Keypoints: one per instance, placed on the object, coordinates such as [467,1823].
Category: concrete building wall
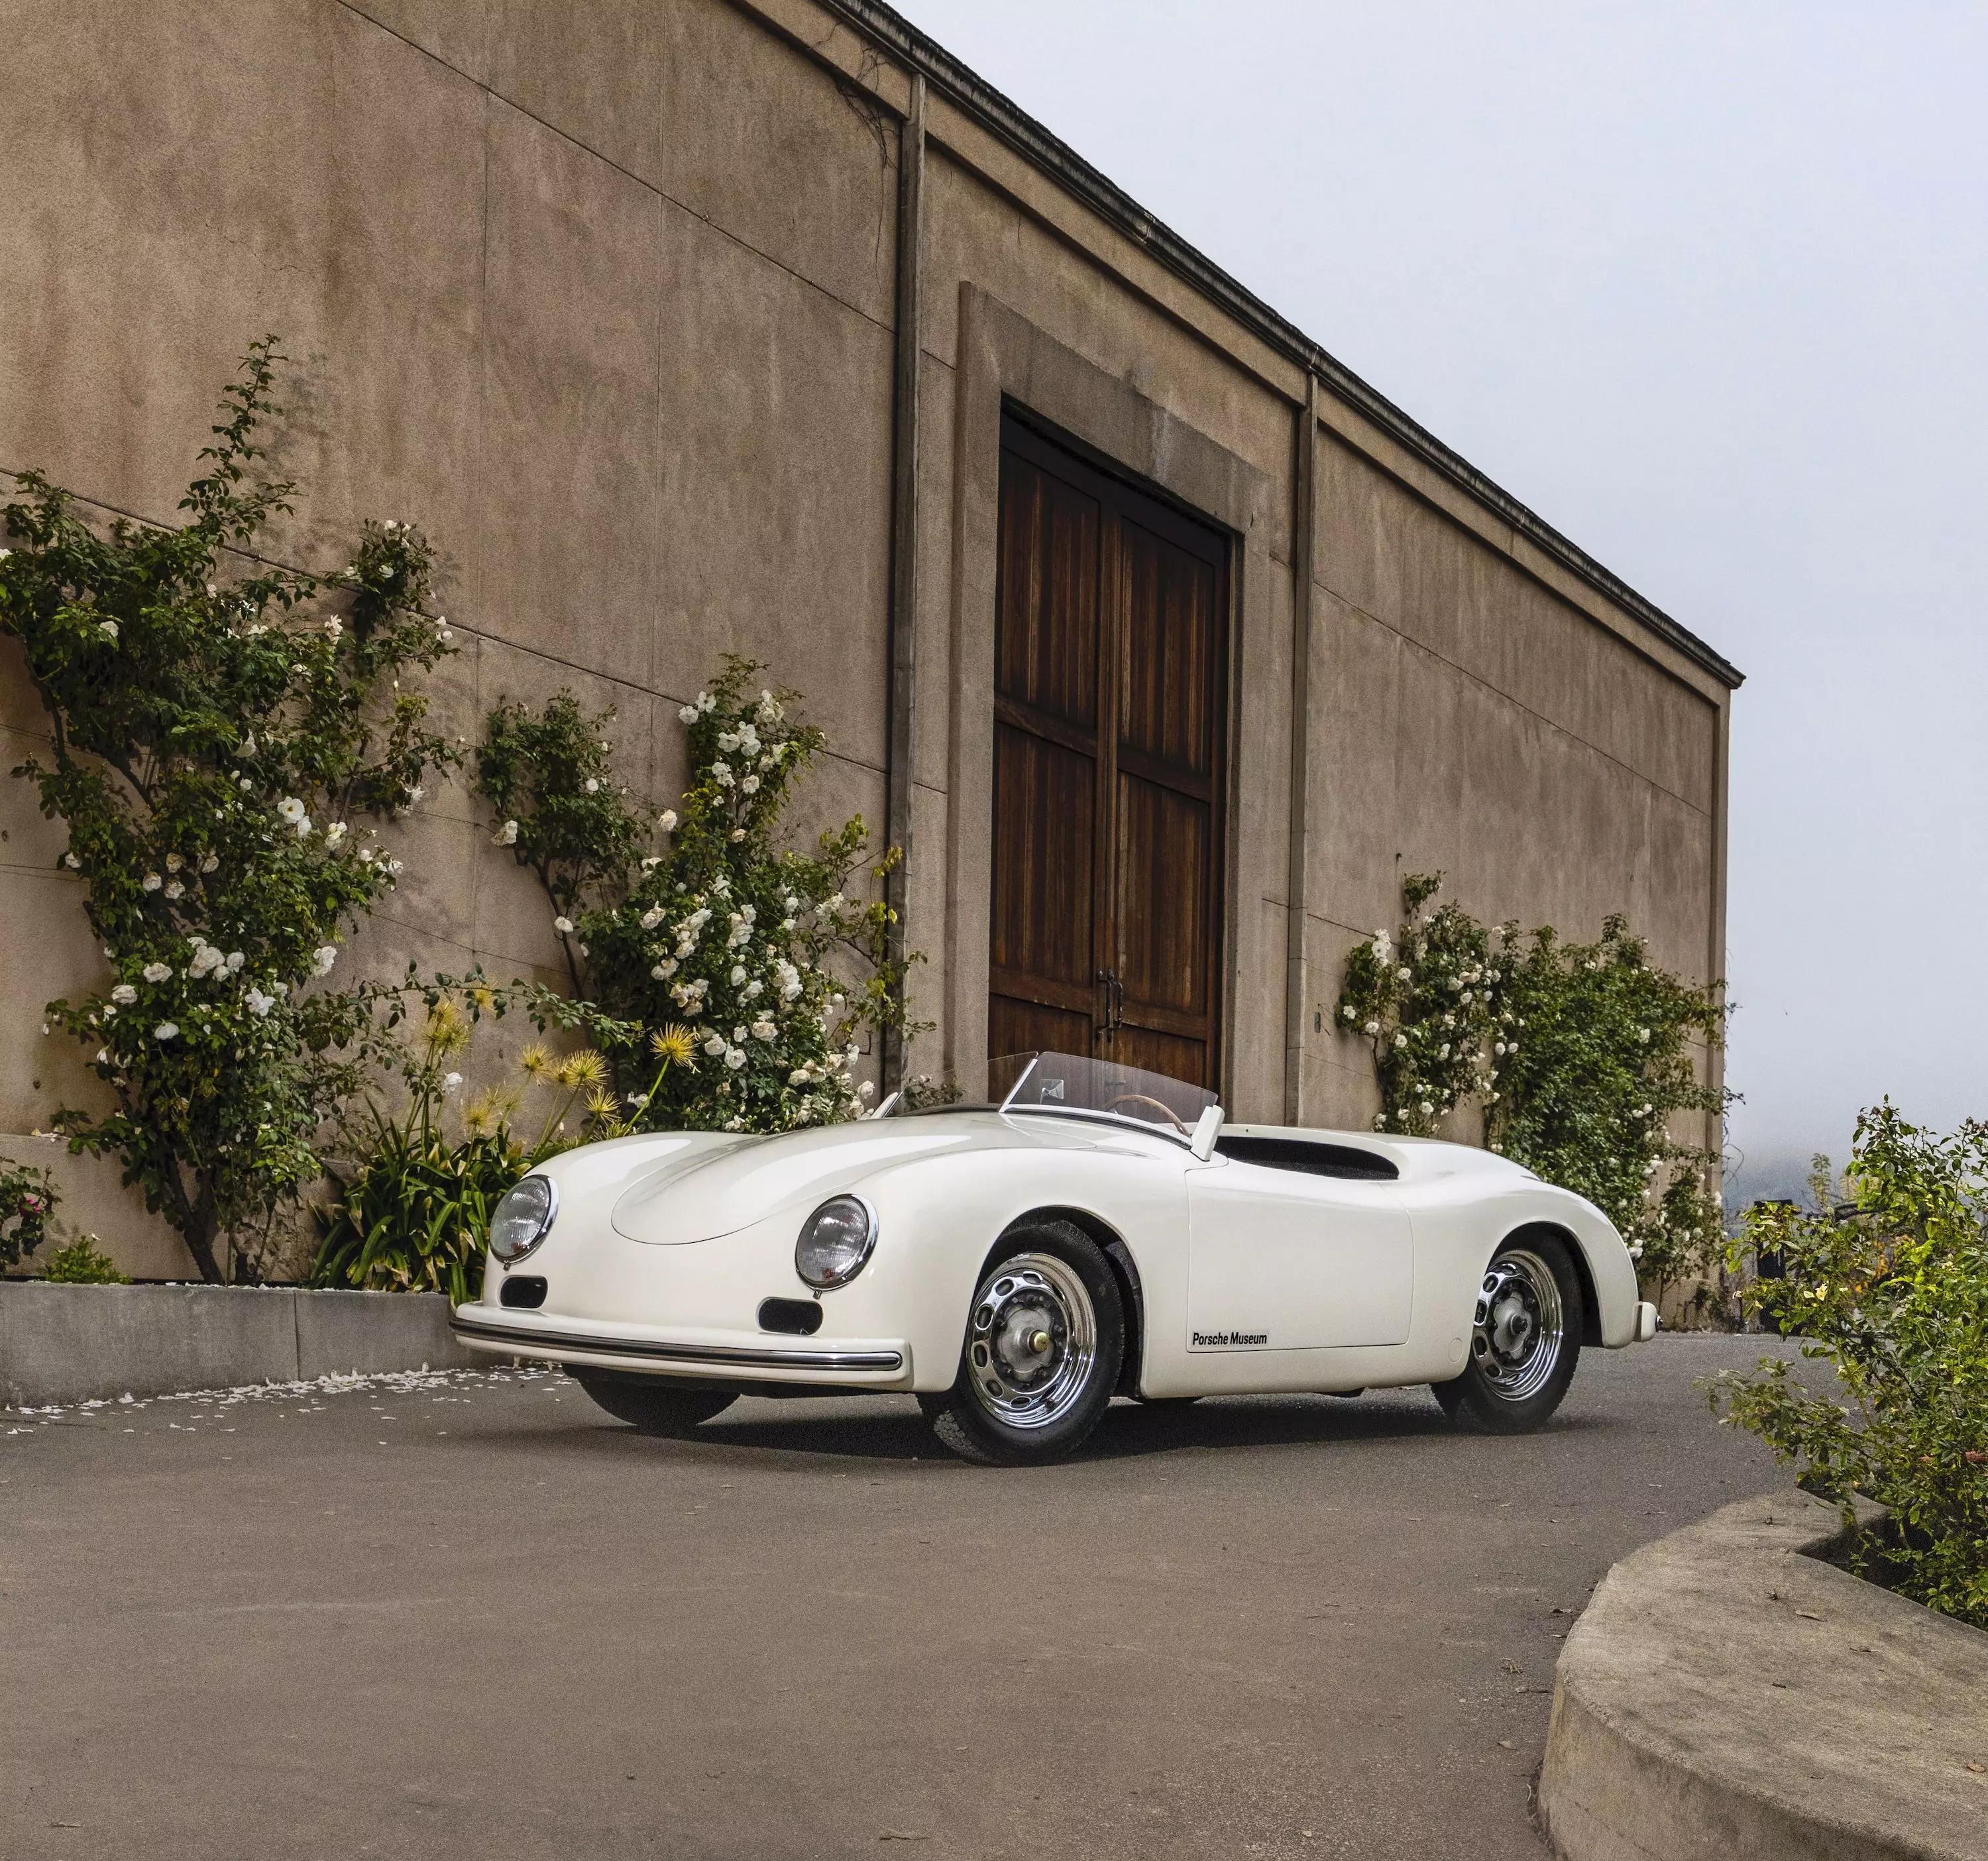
[605,298]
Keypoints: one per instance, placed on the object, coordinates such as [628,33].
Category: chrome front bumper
[724,1356]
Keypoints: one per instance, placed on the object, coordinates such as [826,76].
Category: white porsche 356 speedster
[1091,1230]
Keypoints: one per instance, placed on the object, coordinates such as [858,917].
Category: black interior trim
[1346,1161]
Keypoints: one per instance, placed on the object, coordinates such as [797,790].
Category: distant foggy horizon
[1706,286]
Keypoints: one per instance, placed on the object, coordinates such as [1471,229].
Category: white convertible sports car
[1090,1231]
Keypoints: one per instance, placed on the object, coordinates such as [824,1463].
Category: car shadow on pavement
[890,1428]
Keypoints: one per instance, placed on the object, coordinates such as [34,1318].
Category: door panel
[1046,654]
[1281,1261]
[1044,796]
[1108,757]
[1164,883]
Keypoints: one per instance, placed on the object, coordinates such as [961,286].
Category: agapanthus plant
[763,956]
[224,732]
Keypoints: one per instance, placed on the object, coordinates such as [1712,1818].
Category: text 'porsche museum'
[1092,1231]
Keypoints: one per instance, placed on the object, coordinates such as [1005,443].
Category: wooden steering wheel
[1141,1098]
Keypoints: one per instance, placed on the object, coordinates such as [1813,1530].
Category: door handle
[1114,1001]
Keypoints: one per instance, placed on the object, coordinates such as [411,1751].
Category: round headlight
[835,1242]
[523,1218]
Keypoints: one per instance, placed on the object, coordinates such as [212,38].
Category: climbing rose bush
[1578,1055]
[225,735]
[764,956]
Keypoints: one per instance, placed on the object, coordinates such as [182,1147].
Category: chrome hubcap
[1031,1341]
[1519,1327]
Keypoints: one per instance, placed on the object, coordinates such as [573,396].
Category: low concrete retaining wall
[63,1344]
[1726,1695]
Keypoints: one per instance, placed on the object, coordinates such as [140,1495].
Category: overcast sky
[1706,286]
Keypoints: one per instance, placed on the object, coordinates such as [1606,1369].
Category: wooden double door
[1109,757]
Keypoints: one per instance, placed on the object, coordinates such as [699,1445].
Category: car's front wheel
[1045,1337]
[654,1407]
[1525,1339]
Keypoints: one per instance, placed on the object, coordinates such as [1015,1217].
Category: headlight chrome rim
[829,1283]
[510,1258]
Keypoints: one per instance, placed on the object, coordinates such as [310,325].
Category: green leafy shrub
[1578,1054]
[221,728]
[723,934]
[80,1263]
[1891,1291]
[28,1200]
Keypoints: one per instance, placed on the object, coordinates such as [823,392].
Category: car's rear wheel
[1045,1337]
[654,1408]
[1525,1339]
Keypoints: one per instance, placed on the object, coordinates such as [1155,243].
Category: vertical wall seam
[904,595]
[1304,569]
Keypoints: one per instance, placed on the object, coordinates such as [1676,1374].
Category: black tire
[666,1409]
[1017,1402]
[1525,1339]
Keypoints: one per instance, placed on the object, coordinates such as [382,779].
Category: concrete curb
[64,1344]
[1726,1694]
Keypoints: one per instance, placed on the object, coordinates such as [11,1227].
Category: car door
[1281,1259]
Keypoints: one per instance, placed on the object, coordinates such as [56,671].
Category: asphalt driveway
[472,1615]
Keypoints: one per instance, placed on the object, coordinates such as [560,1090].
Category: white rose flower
[304,829]
[176,890]
[334,833]
[210,862]
[415,794]
[1643,1034]
[236,960]
[763,1030]
[666,820]
[291,808]
[1372,1027]
[737,974]
[323,958]
[108,629]
[652,918]
[333,627]
[123,995]
[151,882]
[1401,1041]
[734,1058]
[173,862]
[705,702]
[749,785]
[753,989]
[688,713]
[450,1082]
[714,1045]
[166,1030]
[103,1056]
[158,972]
[505,835]
[727,740]
[1348,1011]
[720,773]
[593,785]
[563,925]
[664,970]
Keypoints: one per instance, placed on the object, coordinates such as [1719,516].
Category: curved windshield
[1102,1087]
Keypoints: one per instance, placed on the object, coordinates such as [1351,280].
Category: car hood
[703,1193]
